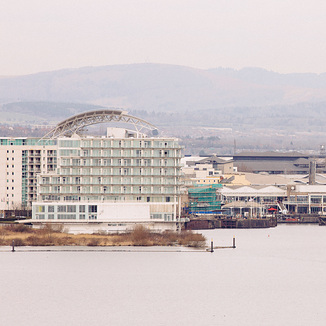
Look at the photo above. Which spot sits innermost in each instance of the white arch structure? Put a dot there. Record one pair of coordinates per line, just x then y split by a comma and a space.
79, 121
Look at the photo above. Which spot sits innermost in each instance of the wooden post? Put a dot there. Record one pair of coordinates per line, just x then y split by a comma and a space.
233, 242
212, 247
13, 246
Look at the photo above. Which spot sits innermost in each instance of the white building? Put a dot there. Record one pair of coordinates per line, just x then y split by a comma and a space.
101, 183
21, 160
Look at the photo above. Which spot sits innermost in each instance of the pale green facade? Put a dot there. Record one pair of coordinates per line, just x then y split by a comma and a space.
107, 169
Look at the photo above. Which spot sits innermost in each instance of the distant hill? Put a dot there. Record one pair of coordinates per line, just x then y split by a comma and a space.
41, 112
160, 87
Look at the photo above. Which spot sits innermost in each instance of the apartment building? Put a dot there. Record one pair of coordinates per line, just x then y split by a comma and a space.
108, 183
21, 160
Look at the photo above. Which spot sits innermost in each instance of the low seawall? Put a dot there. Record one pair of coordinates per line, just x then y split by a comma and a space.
213, 223
299, 219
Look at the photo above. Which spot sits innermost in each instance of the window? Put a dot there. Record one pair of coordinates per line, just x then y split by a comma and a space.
62, 209
40, 209
316, 199
50, 209
92, 209
71, 208
82, 208
156, 216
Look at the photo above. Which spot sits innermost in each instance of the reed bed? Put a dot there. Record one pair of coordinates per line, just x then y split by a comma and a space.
55, 235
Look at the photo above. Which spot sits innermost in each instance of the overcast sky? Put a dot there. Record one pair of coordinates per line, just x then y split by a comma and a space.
280, 35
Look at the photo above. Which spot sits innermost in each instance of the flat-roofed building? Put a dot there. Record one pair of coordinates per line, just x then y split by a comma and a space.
21, 160
96, 176
277, 162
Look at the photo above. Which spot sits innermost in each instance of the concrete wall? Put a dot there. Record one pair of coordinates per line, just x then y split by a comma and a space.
124, 212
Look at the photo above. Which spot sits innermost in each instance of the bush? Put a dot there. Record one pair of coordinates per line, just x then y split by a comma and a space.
93, 242
21, 228
190, 239
140, 236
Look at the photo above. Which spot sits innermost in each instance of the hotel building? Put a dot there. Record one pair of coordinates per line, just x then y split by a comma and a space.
99, 183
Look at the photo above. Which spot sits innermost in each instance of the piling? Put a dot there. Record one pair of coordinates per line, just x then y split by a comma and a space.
212, 246
233, 242
13, 246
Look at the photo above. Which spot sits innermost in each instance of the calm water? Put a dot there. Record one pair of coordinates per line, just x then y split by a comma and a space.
274, 277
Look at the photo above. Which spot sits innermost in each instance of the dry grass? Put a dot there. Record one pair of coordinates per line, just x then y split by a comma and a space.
51, 235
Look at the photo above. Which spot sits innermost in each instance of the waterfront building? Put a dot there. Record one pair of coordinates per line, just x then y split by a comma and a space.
21, 160
306, 199
252, 200
109, 183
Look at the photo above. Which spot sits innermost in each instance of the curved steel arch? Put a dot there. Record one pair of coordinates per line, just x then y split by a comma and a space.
79, 121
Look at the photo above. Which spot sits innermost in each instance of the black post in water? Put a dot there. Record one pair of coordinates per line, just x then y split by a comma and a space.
13, 246
233, 242
212, 247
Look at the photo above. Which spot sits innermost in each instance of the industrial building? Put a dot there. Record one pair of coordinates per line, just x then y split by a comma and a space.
278, 162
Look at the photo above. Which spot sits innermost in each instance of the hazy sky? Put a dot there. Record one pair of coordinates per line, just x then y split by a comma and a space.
279, 35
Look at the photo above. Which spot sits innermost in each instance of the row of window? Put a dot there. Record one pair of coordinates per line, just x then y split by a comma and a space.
65, 208
117, 162
107, 198
65, 216
119, 153
118, 143
132, 180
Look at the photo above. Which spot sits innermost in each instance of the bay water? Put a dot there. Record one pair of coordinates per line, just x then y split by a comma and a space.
273, 277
